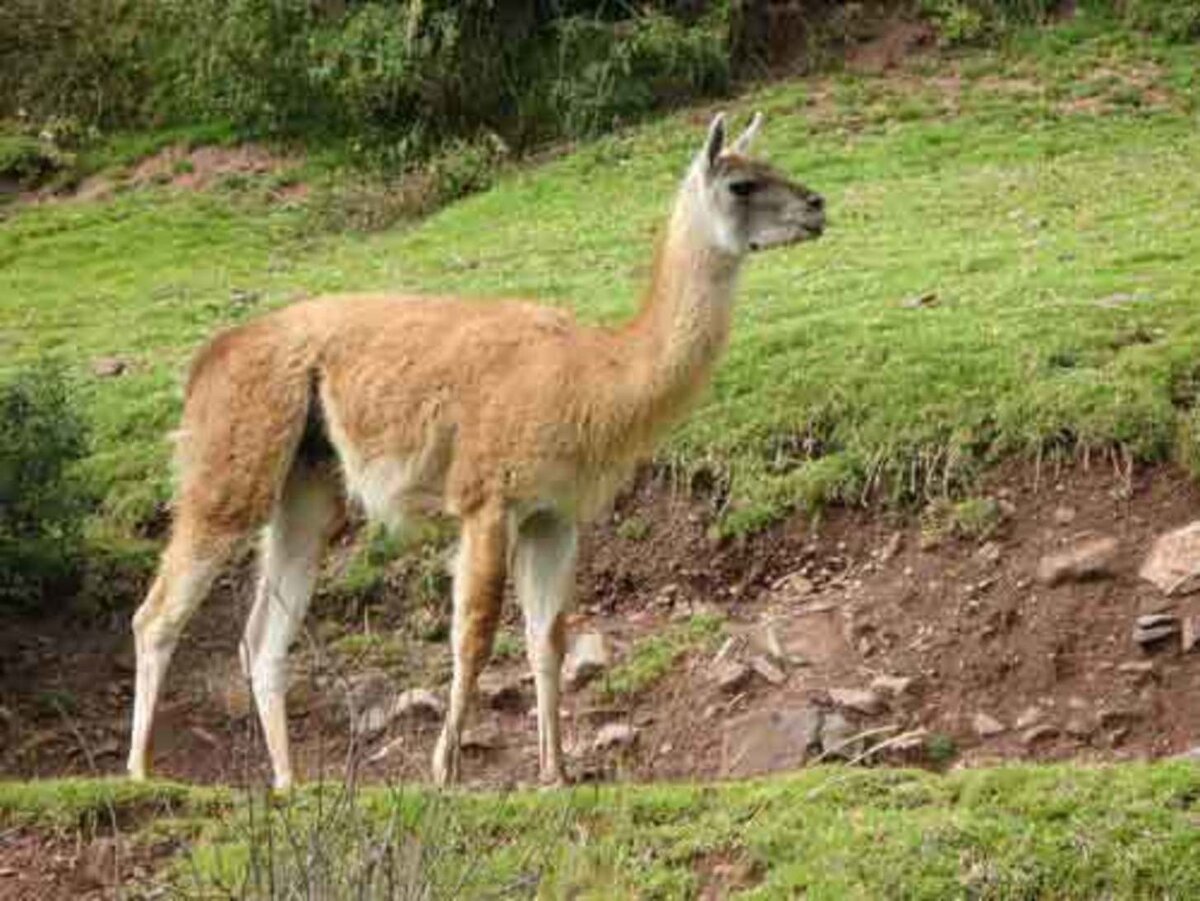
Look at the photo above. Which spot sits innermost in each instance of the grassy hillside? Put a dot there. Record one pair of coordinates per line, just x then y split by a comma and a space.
1127, 832
1011, 266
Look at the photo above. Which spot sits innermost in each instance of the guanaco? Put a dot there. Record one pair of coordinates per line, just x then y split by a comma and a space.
508, 416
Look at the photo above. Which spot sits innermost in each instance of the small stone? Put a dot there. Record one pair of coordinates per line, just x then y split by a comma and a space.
1136, 667
892, 685
861, 700
768, 670
727, 650
1078, 727
418, 702
1173, 564
124, 661
893, 547
501, 692
1038, 733
768, 639
1189, 633
588, 658
1154, 628
484, 737
796, 585
911, 741
1028, 718
1087, 560
986, 726
1064, 515
732, 676
370, 720
920, 301
108, 367
839, 737
989, 553
615, 735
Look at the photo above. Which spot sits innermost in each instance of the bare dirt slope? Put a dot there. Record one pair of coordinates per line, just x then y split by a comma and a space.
858, 622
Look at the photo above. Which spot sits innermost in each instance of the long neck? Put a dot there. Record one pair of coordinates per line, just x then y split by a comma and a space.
684, 321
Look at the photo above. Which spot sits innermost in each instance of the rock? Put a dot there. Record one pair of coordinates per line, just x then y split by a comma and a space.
892, 685
768, 639
766, 741
857, 699
1173, 564
1064, 515
418, 702
615, 735
1028, 718
796, 585
1154, 628
989, 553
893, 547
1079, 727
1136, 667
109, 367
768, 670
588, 658
839, 737
1038, 733
484, 737
728, 649
911, 741
371, 719
125, 661
732, 676
920, 301
501, 692
1189, 633
987, 726
1089, 559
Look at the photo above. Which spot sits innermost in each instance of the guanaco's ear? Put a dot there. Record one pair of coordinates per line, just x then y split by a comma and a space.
742, 144
714, 142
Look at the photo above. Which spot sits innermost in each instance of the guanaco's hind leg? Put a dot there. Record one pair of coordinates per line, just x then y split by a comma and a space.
479, 575
308, 513
185, 574
544, 573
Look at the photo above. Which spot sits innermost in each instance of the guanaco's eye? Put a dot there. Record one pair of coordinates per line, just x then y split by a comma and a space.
744, 188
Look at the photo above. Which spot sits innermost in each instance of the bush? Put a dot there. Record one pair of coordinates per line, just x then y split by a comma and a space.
971, 22
41, 504
399, 81
1176, 20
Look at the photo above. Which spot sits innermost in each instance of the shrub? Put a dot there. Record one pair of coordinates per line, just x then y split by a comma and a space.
400, 81
966, 22
1176, 20
41, 505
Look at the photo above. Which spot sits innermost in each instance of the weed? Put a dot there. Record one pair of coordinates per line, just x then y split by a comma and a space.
653, 657
634, 528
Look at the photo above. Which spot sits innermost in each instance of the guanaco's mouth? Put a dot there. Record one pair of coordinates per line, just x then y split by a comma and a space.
804, 232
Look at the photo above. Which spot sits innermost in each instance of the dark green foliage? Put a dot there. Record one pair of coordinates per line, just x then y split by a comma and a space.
963, 22
1176, 20
41, 506
397, 79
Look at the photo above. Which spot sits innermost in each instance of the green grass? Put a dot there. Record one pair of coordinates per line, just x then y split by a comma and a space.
653, 656
1059, 247
1021, 832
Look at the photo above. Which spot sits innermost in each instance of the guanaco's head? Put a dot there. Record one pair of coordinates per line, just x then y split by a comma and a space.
746, 204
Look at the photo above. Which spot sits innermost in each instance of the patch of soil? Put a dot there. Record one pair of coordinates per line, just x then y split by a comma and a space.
856, 596
898, 40
45, 865
193, 169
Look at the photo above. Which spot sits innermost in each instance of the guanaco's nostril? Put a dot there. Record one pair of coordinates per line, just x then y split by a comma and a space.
816, 202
